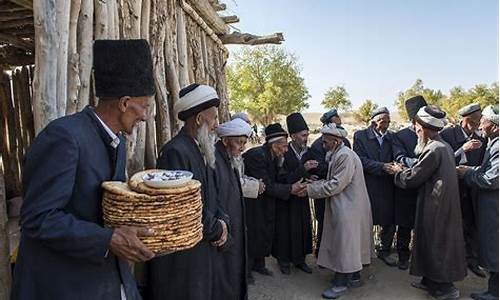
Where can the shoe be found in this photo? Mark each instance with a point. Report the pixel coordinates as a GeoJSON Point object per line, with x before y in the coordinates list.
{"type": "Point", "coordinates": [285, 269]}
{"type": "Point", "coordinates": [449, 294]}
{"type": "Point", "coordinates": [476, 270]}
{"type": "Point", "coordinates": [419, 285]}
{"type": "Point", "coordinates": [263, 271]}
{"type": "Point", "coordinates": [304, 267]}
{"type": "Point", "coordinates": [483, 296]}
{"type": "Point", "coordinates": [354, 280]}
{"type": "Point", "coordinates": [334, 292]}
{"type": "Point", "coordinates": [387, 259]}
{"type": "Point", "coordinates": [251, 279]}
{"type": "Point", "coordinates": [403, 265]}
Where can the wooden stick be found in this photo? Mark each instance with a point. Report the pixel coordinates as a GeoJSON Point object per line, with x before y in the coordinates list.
{"type": "Point", "coordinates": [73, 59]}
{"type": "Point", "coordinates": [182, 48]}
{"type": "Point", "coordinates": [24, 3]}
{"type": "Point", "coordinates": [16, 23]}
{"type": "Point", "coordinates": [230, 19]}
{"type": "Point", "coordinates": [63, 11]}
{"type": "Point", "coordinates": [219, 6]}
{"type": "Point", "coordinates": [250, 39]}
{"type": "Point", "coordinates": [15, 15]}
{"type": "Point", "coordinates": [11, 7]}
{"type": "Point", "coordinates": [17, 42]}
{"type": "Point", "coordinates": [209, 15]}
{"type": "Point", "coordinates": [27, 113]}
{"type": "Point", "coordinates": [5, 273]}
{"type": "Point", "coordinates": [101, 19]}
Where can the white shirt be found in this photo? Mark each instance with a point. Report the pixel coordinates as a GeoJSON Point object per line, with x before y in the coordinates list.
{"type": "Point", "coordinates": [115, 139]}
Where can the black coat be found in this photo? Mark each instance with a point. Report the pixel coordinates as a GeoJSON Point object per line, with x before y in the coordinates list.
{"type": "Point", "coordinates": [62, 253]}
{"type": "Point", "coordinates": [260, 212]}
{"type": "Point", "coordinates": [189, 274]}
{"type": "Point", "coordinates": [454, 136]}
{"type": "Point", "coordinates": [293, 233]}
{"type": "Point", "coordinates": [231, 266]}
{"type": "Point", "coordinates": [379, 184]}
{"type": "Point", "coordinates": [405, 200]}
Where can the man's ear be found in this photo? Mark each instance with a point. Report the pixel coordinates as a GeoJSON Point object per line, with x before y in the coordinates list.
{"type": "Point", "coordinates": [123, 103]}
{"type": "Point", "coordinates": [199, 119]}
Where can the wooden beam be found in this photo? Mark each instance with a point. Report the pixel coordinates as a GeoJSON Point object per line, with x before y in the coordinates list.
{"type": "Point", "coordinates": [11, 56]}
{"type": "Point", "coordinates": [16, 23]}
{"type": "Point", "coordinates": [230, 19]}
{"type": "Point", "coordinates": [10, 7]}
{"type": "Point", "coordinates": [218, 6]}
{"type": "Point", "coordinates": [17, 42]}
{"type": "Point", "coordinates": [209, 15]}
{"type": "Point", "coordinates": [15, 15]}
{"type": "Point", "coordinates": [250, 39]}
{"type": "Point", "coordinates": [24, 3]}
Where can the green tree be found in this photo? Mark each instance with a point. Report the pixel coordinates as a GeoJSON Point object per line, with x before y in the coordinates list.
{"type": "Point", "coordinates": [337, 98]}
{"type": "Point", "coordinates": [434, 97]}
{"type": "Point", "coordinates": [363, 113]}
{"type": "Point", "coordinates": [265, 82]}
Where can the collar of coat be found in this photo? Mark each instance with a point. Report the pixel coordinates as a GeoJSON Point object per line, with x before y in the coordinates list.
{"type": "Point", "coordinates": [370, 133]}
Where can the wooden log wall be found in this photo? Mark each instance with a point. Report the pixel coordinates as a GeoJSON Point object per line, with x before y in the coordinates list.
{"type": "Point", "coordinates": [16, 125]}
{"type": "Point", "coordinates": [184, 45]}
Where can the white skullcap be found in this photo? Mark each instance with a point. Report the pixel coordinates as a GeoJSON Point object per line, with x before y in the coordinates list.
{"type": "Point", "coordinates": [334, 130]}
{"type": "Point", "coordinates": [236, 127]}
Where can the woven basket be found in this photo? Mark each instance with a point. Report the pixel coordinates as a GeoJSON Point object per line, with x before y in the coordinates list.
{"type": "Point", "coordinates": [174, 214]}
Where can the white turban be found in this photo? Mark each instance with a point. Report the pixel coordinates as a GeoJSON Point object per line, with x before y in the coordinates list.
{"type": "Point", "coordinates": [241, 115]}
{"type": "Point", "coordinates": [334, 130]}
{"type": "Point", "coordinates": [236, 127]}
{"type": "Point", "coordinates": [196, 99]}
{"type": "Point", "coordinates": [491, 113]}
{"type": "Point", "coordinates": [431, 117]}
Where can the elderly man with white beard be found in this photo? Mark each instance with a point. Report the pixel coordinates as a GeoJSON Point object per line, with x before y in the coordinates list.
{"type": "Point", "coordinates": [190, 274]}
{"type": "Point", "coordinates": [347, 242]}
{"type": "Point", "coordinates": [438, 254]}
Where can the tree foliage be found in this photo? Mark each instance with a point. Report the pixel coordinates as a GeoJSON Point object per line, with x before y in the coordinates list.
{"type": "Point", "coordinates": [337, 98]}
{"type": "Point", "coordinates": [265, 82]}
{"type": "Point", "coordinates": [363, 113]}
{"type": "Point", "coordinates": [457, 97]}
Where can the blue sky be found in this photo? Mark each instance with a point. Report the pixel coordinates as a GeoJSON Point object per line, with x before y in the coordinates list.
{"type": "Point", "coordinates": [377, 48]}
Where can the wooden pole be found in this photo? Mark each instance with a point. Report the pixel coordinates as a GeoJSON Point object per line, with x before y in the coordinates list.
{"type": "Point", "coordinates": [73, 59]}
{"type": "Point", "coordinates": [182, 48]}
{"type": "Point", "coordinates": [101, 19]}
{"type": "Point", "coordinates": [5, 276]}
{"type": "Point", "coordinates": [84, 45]}
{"type": "Point", "coordinates": [45, 79]}
{"type": "Point", "coordinates": [62, 22]}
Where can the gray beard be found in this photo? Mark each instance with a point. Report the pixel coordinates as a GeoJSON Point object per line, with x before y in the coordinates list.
{"type": "Point", "coordinates": [206, 141]}
{"type": "Point", "coordinates": [237, 163]}
{"type": "Point", "coordinates": [419, 148]}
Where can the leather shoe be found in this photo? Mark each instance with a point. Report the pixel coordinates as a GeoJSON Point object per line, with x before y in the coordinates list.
{"type": "Point", "coordinates": [285, 269]}
{"type": "Point", "coordinates": [264, 271]}
{"type": "Point", "coordinates": [304, 267]}
{"type": "Point", "coordinates": [419, 285]}
{"type": "Point", "coordinates": [476, 270]}
{"type": "Point", "coordinates": [354, 280]}
{"type": "Point", "coordinates": [334, 292]}
{"type": "Point", "coordinates": [388, 260]}
{"type": "Point", "coordinates": [483, 296]}
{"type": "Point", "coordinates": [449, 294]}
{"type": "Point", "coordinates": [403, 265]}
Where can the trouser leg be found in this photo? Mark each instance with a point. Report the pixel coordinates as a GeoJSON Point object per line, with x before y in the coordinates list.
{"type": "Point", "coordinates": [403, 243]}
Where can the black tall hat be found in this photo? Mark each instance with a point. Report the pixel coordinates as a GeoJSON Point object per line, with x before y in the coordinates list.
{"type": "Point", "coordinates": [295, 123]}
{"type": "Point", "coordinates": [123, 68]}
{"type": "Point", "coordinates": [413, 105]}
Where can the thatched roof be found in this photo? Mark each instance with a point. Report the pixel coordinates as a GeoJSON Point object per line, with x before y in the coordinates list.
{"type": "Point", "coordinates": [17, 32]}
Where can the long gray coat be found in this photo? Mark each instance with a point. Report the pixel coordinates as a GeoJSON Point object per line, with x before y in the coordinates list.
{"type": "Point", "coordinates": [485, 179]}
{"type": "Point", "coordinates": [439, 251]}
{"type": "Point", "coordinates": [346, 243]}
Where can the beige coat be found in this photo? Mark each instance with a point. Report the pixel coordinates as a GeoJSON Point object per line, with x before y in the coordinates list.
{"type": "Point", "coordinates": [347, 242]}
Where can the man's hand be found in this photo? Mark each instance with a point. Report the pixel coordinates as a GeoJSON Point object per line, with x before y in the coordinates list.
{"type": "Point", "coordinates": [390, 168]}
{"type": "Point", "coordinates": [223, 238]}
{"type": "Point", "coordinates": [126, 244]}
{"type": "Point", "coordinates": [299, 188]}
{"type": "Point", "coordinates": [398, 168]}
{"type": "Point", "coordinates": [472, 145]}
{"type": "Point", "coordinates": [262, 187]}
{"type": "Point", "coordinates": [314, 177]}
{"type": "Point", "coordinates": [310, 164]}
{"type": "Point", "coordinates": [461, 170]}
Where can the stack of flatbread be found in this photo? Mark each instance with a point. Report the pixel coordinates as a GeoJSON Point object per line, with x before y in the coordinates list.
{"type": "Point", "coordinates": [173, 213]}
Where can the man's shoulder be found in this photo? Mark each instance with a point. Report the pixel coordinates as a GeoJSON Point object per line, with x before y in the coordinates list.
{"type": "Point", "coordinates": [255, 152]}
{"type": "Point", "coordinates": [74, 125]}
{"type": "Point", "coordinates": [361, 133]}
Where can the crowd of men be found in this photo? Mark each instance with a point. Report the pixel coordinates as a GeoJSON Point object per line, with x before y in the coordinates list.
{"type": "Point", "coordinates": [439, 182]}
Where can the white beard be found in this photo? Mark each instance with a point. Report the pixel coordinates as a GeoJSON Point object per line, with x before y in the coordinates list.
{"type": "Point", "coordinates": [419, 148]}
{"type": "Point", "coordinates": [237, 163]}
{"type": "Point", "coordinates": [206, 141]}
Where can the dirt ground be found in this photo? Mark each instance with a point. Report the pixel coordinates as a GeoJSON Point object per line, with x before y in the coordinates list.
{"type": "Point", "coordinates": [380, 283]}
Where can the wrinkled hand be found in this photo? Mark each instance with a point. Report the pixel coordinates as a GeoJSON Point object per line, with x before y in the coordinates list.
{"type": "Point", "coordinates": [223, 238]}
{"type": "Point", "coordinates": [310, 164]}
{"type": "Point", "coordinates": [461, 170]}
{"type": "Point", "coordinates": [472, 145]}
{"type": "Point", "coordinates": [126, 244]}
{"type": "Point", "coordinates": [262, 186]}
{"type": "Point", "coordinates": [398, 168]}
{"type": "Point", "coordinates": [390, 168]}
{"type": "Point", "coordinates": [314, 177]}
{"type": "Point", "coordinates": [299, 188]}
